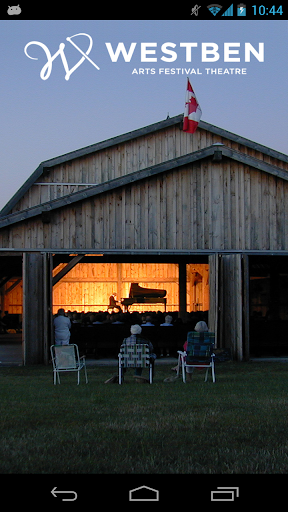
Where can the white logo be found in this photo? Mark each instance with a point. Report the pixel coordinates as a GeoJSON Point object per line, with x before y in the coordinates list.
{"type": "Point", "coordinates": [47, 68]}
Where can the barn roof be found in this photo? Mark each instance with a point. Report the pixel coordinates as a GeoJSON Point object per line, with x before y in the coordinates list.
{"type": "Point", "coordinates": [7, 218]}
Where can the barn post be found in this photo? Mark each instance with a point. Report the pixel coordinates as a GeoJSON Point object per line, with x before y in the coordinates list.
{"type": "Point", "coordinates": [246, 306]}
{"type": "Point", "coordinates": [182, 291]}
{"type": "Point", "coordinates": [33, 300]}
{"type": "Point", "coordinates": [232, 304]}
{"type": "Point", "coordinates": [47, 306]}
{"type": "Point", "coordinates": [214, 295]}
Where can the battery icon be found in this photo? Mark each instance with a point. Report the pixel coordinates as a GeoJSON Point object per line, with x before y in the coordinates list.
{"type": "Point", "coordinates": [241, 10]}
{"type": "Point", "coordinates": [225, 494]}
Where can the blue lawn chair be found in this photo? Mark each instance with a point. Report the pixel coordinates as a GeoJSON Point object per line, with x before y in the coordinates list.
{"type": "Point", "coordinates": [199, 353]}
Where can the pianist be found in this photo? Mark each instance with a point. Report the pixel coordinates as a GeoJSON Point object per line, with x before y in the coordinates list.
{"type": "Point", "coordinates": [113, 303]}
{"type": "Point", "coordinates": [136, 338]}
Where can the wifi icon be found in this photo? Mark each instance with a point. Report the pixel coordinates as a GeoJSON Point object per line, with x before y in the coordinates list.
{"type": "Point", "coordinates": [214, 8]}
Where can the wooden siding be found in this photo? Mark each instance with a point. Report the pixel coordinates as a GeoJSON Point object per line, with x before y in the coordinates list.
{"type": "Point", "coordinates": [125, 158]}
{"type": "Point", "coordinates": [204, 205]}
{"type": "Point", "coordinates": [231, 302]}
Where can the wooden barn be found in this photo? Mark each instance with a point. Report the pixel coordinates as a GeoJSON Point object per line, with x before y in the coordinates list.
{"type": "Point", "coordinates": [203, 217]}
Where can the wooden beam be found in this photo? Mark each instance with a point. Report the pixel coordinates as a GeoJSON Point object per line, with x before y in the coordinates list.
{"type": "Point", "coordinates": [5, 280]}
{"type": "Point", "coordinates": [66, 269]}
{"type": "Point", "coordinates": [213, 315]}
{"type": "Point", "coordinates": [254, 162]}
{"type": "Point", "coordinates": [33, 331]}
{"type": "Point", "coordinates": [13, 285]}
{"type": "Point", "coordinates": [182, 291]}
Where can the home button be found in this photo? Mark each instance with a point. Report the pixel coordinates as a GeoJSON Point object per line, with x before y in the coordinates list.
{"type": "Point", "coordinates": [143, 493]}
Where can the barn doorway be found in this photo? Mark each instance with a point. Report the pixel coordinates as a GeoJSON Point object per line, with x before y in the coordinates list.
{"type": "Point", "coordinates": [268, 306]}
{"type": "Point", "coordinates": [83, 286]}
{"type": "Point", "coordinates": [11, 293]}
{"type": "Point", "coordinates": [89, 285]}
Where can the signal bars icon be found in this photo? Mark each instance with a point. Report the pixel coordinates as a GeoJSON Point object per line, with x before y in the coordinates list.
{"type": "Point", "coordinates": [229, 11]}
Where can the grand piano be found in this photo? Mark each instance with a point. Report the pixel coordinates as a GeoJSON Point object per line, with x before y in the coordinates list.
{"type": "Point", "coordinates": [140, 295]}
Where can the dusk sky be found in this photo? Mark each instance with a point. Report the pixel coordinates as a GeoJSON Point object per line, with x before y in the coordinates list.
{"type": "Point", "coordinates": [41, 119]}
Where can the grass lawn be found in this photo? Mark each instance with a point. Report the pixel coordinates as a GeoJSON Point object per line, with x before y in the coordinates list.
{"type": "Point", "coordinates": [237, 425]}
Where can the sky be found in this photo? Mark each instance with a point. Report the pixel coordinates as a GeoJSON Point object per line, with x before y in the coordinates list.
{"type": "Point", "coordinates": [42, 119]}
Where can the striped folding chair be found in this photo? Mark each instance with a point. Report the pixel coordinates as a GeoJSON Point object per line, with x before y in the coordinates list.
{"type": "Point", "coordinates": [134, 356]}
{"type": "Point", "coordinates": [199, 353]}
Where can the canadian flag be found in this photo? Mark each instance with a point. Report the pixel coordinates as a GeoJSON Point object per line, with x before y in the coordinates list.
{"type": "Point", "coordinates": [193, 112]}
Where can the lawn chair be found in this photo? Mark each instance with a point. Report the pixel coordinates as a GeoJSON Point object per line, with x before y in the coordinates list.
{"type": "Point", "coordinates": [65, 358]}
{"type": "Point", "coordinates": [199, 353]}
{"type": "Point", "coordinates": [134, 356]}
